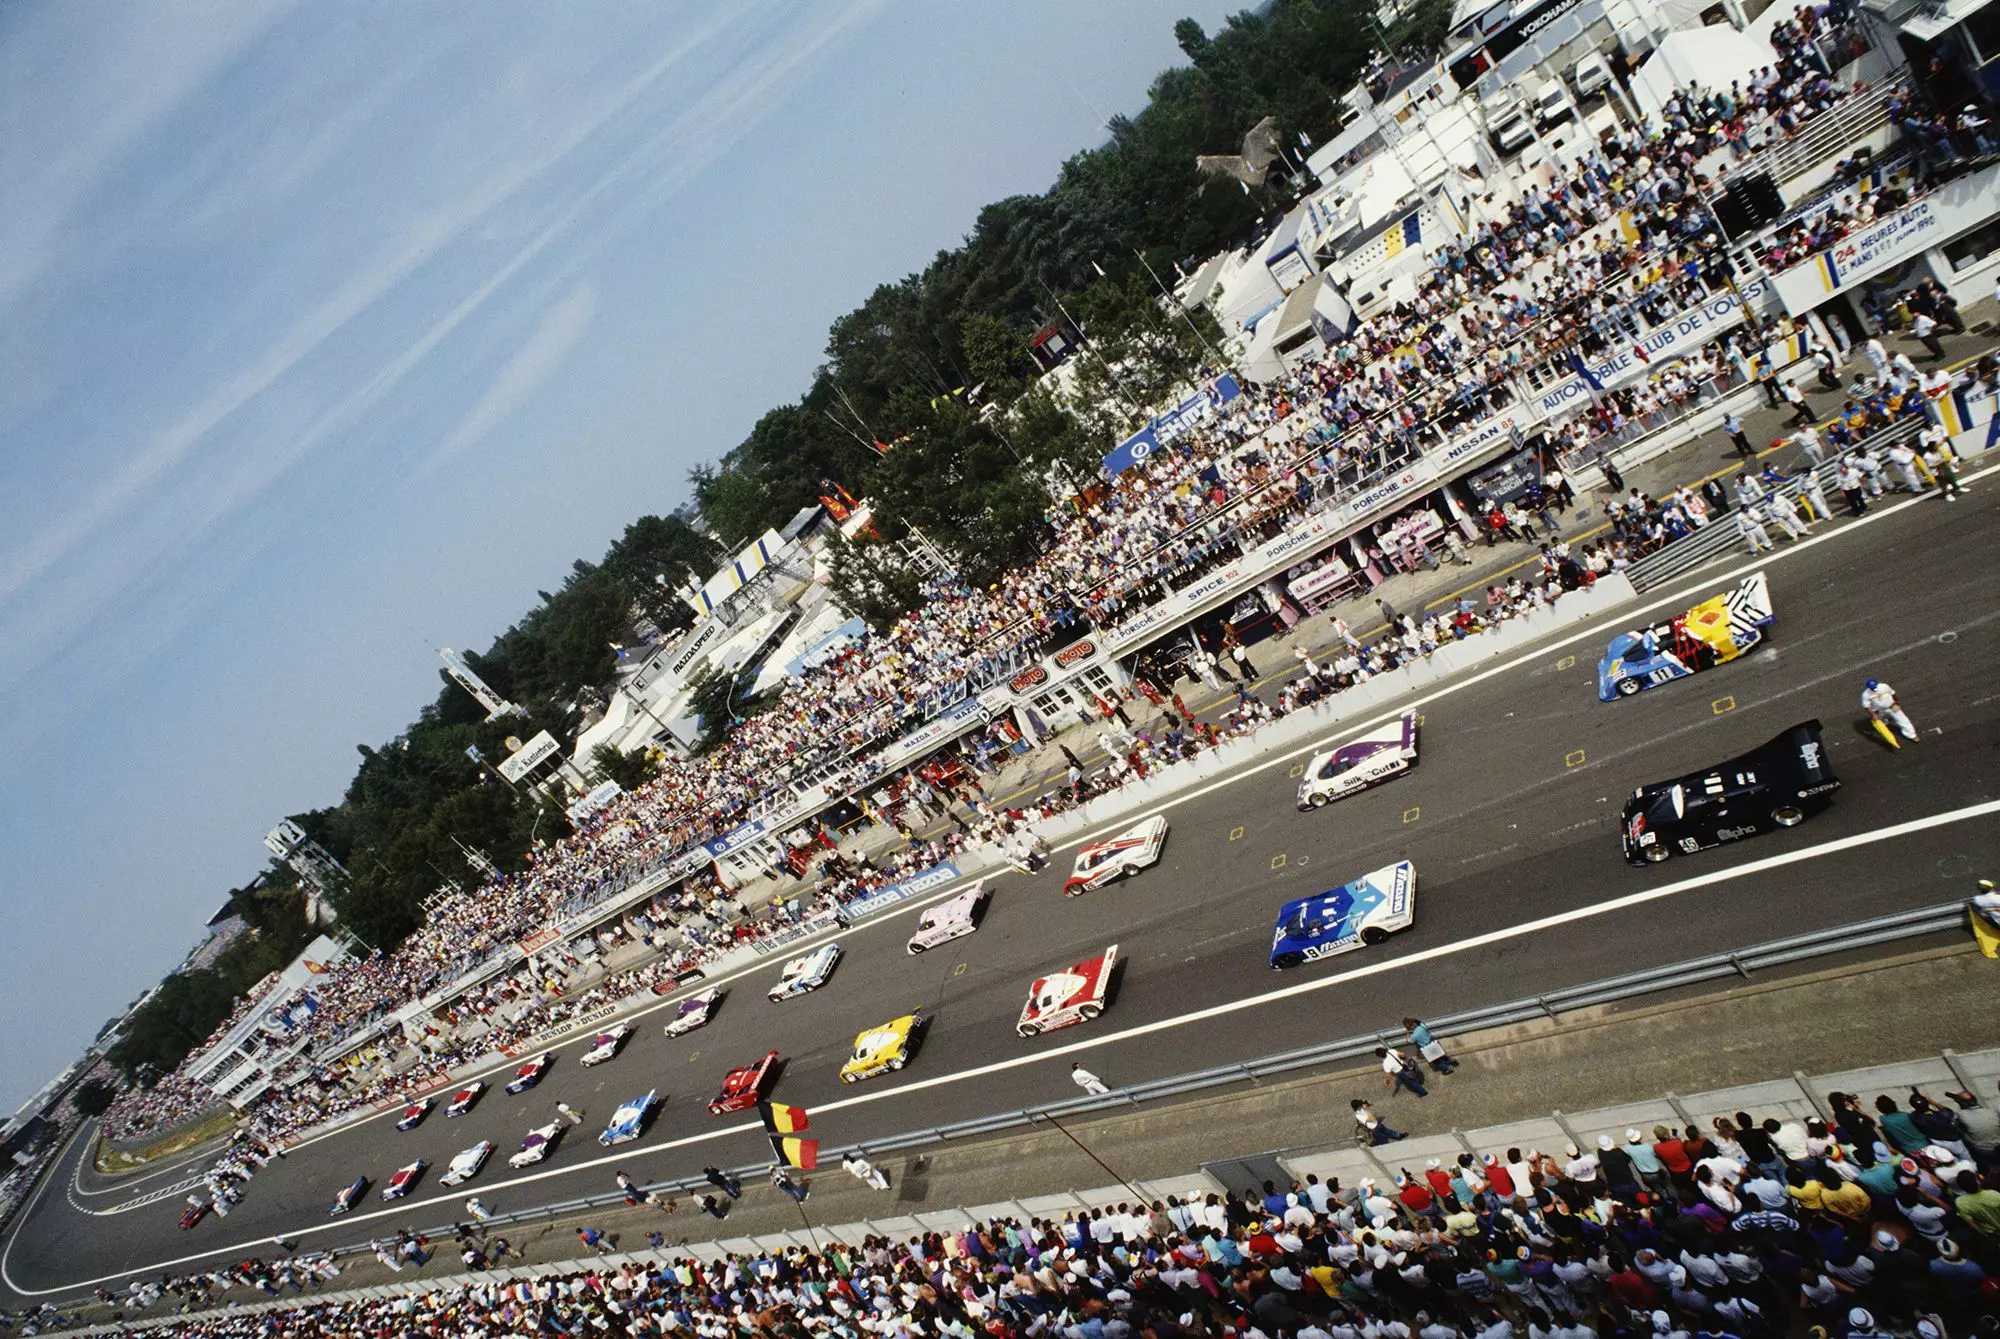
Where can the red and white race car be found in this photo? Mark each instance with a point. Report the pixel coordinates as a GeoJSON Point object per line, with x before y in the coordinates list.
{"type": "Point", "coordinates": [1117, 857]}
{"type": "Point", "coordinates": [606, 1046]}
{"type": "Point", "coordinates": [745, 1085]}
{"type": "Point", "coordinates": [413, 1114]}
{"type": "Point", "coordinates": [404, 1181]}
{"type": "Point", "coordinates": [530, 1074]}
{"type": "Point", "coordinates": [949, 919]}
{"type": "Point", "coordinates": [462, 1100]}
{"type": "Point", "coordinates": [1074, 995]}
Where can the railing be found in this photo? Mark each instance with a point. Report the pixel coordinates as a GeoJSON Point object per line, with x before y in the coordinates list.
{"type": "Point", "coordinates": [1825, 136]}
{"type": "Point", "coordinates": [1735, 965]}
{"type": "Point", "coordinates": [1720, 537]}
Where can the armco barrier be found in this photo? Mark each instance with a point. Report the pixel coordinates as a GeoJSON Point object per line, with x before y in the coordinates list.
{"type": "Point", "coordinates": [1737, 965]}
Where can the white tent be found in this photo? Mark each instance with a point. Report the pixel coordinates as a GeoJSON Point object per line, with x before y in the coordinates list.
{"type": "Point", "coordinates": [1714, 57]}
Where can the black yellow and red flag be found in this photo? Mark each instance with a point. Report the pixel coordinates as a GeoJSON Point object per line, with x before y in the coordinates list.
{"type": "Point", "coordinates": [784, 1123]}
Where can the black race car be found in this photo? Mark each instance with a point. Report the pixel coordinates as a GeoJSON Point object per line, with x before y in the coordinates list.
{"type": "Point", "coordinates": [1776, 785]}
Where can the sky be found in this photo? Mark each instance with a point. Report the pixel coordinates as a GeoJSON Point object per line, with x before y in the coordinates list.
{"type": "Point", "coordinates": [330, 333]}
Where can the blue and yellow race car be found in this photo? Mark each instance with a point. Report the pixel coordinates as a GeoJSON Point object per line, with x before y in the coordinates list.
{"type": "Point", "coordinates": [1366, 911]}
{"type": "Point", "coordinates": [1716, 631]}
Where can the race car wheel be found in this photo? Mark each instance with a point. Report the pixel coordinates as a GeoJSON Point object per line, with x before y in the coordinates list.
{"type": "Point", "coordinates": [1028, 1029]}
{"type": "Point", "coordinates": [1130, 871]}
{"type": "Point", "coordinates": [1319, 799]}
{"type": "Point", "coordinates": [1089, 1011]}
{"type": "Point", "coordinates": [847, 1078]}
{"type": "Point", "coordinates": [1373, 935]}
{"type": "Point", "coordinates": [1658, 854]}
{"type": "Point", "coordinates": [917, 948]}
{"type": "Point", "coordinates": [1284, 960]}
{"type": "Point", "coordinates": [1629, 687]}
{"type": "Point", "coordinates": [898, 1062]}
{"type": "Point", "coordinates": [1787, 816]}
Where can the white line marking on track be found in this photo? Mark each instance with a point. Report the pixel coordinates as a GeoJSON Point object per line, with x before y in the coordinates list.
{"type": "Point", "coordinates": [1447, 950]}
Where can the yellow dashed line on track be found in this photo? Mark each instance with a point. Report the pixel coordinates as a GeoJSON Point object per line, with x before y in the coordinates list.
{"type": "Point", "coordinates": [1567, 662]}
{"type": "Point", "coordinates": [1236, 834]}
{"type": "Point", "coordinates": [1298, 769]}
{"type": "Point", "coordinates": [1280, 860]}
{"type": "Point", "coordinates": [1412, 814]}
{"type": "Point", "coordinates": [1721, 704]}
{"type": "Point", "coordinates": [1573, 759]}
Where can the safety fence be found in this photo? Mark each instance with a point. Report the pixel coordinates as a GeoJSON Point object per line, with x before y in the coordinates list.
{"type": "Point", "coordinates": [1721, 538]}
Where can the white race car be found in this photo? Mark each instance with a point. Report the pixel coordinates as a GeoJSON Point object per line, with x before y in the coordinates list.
{"type": "Point", "coordinates": [541, 1142]}
{"type": "Point", "coordinates": [949, 919]}
{"type": "Point", "coordinates": [1358, 764]}
{"type": "Point", "coordinates": [1116, 857]}
{"type": "Point", "coordinates": [694, 1011]}
{"type": "Point", "coordinates": [467, 1164]}
{"type": "Point", "coordinates": [808, 973]}
{"type": "Point", "coordinates": [606, 1046]}
{"type": "Point", "coordinates": [1076, 994]}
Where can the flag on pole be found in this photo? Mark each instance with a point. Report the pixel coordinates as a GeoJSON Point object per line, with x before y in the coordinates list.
{"type": "Point", "coordinates": [1582, 369]}
{"type": "Point", "coordinates": [782, 1122]}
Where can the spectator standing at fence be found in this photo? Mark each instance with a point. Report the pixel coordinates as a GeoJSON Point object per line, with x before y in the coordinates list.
{"type": "Point", "coordinates": [1371, 1128]}
{"type": "Point", "coordinates": [1904, 461]}
{"type": "Point", "coordinates": [1870, 466]}
{"type": "Point", "coordinates": [1812, 494]}
{"type": "Point", "coordinates": [1750, 525]}
{"type": "Point", "coordinates": [1785, 515]}
{"type": "Point", "coordinates": [1853, 487]}
{"type": "Point", "coordinates": [1398, 1072]}
{"type": "Point", "coordinates": [1428, 1046]}
{"type": "Point", "coordinates": [793, 1188]}
{"type": "Point", "coordinates": [865, 1171]}
{"type": "Point", "coordinates": [1808, 440]}
{"type": "Point", "coordinates": [1938, 459]}
{"type": "Point", "coordinates": [1087, 1081]}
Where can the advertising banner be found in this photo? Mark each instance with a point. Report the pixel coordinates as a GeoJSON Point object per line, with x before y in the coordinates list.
{"type": "Point", "coordinates": [529, 756]}
{"type": "Point", "coordinates": [934, 877]}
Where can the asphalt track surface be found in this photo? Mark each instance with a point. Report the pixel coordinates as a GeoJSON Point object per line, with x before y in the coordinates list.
{"type": "Point", "coordinates": [1510, 819]}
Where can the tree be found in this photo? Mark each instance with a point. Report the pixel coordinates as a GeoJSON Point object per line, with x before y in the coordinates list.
{"type": "Point", "coordinates": [95, 1097]}
{"type": "Point", "coordinates": [874, 581]}
{"type": "Point", "coordinates": [630, 770]}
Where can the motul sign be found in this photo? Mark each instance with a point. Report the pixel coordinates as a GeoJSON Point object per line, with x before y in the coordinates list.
{"type": "Point", "coordinates": [1029, 679]}
{"type": "Point", "coordinates": [1069, 655]}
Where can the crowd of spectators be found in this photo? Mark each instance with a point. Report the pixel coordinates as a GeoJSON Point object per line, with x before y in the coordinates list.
{"type": "Point", "coordinates": [1884, 1221]}
{"type": "Point", "coordinates": [1576, 264]}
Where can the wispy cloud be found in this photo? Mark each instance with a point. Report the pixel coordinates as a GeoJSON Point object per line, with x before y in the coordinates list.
{"type": "Point", "coordinates": [90, 533]}
{"type": "Point", "coordinates": [546, 348]}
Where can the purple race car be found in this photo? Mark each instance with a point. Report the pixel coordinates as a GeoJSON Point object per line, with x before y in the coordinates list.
{"type": "Point", "coordinates": [1370, 760]}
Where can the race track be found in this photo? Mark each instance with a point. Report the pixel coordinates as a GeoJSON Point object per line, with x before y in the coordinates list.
{"type": "Point", "coordinates": [1510, 819]}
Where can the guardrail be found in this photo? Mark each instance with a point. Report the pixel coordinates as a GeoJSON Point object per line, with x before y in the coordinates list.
{"type": "Point", "coordinates": [1720, 538]}
{"type": "Point", "coordinates": [1737, 964]}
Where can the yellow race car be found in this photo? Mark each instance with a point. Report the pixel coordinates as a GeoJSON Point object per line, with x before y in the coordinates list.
{"type": "Point", "coordinates": [881, 1049]}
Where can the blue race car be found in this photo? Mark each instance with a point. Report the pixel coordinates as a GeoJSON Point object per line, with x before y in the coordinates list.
{"type": "Point", "coordinates": [350, 1195]}
{"type": "Point", "coordinates": [629, 1121]}
{"type": "Point", "coordinates": [1366, 911]}
{"type": "Point", "coordinates": [1714, 632]}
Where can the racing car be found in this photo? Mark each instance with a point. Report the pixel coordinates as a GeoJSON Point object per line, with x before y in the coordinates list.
{"type": "Point", "coordinates": [949, 919]}
{"type": "Point", "coordinates": [695, 1011]}
{"type": "Point", "coordinates": [1377, 756]}
{"type": "Point", "coordinates": [467, 1164]}
{"type": "Point", "coordinates": [462, 1100]}
{"type": "Point", "coordinates": [1076, 994]}
{"type": "Point", "coordinates": [193, 1214]}
{"type": "Point", "coordinates": [629, 1121]}
{"type": "Point", "coordinates": [404, 1181]}
{"type": "Point", "coordinates": [530, 1074]}
{"type": "Point", "coordinates": [350, 1195]}
{"type": "Point", "coordinates": [1117, 857]}
{"type": "Point", "coordinates": [745, 1085]}
{"type": "Point", "coordinates": [413, 1114]}
{"type": "Point", "coordinates": [881, 1049]}
{"type": "Point", "coordinates": [541, 1142]}
{"type": "Point", "coordinates": [1366, 911]}
{"type": "Point", "coordinates": [1778, 784]}
{"type": "Point", "coordinates": [1714, 632]}
{"type": "Point", "coordinates": [606, 1046]}
{"type": "Point", "coordinates": [808, 973]}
